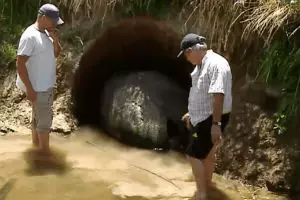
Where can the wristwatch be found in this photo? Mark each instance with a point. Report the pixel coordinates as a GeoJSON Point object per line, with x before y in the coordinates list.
{"type": "Point", "coordinates": [217, 123]}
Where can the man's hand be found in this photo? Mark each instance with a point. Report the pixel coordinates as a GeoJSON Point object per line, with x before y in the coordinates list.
{"type": "Point", "coordinates": [216, 133]}
{"type": "Point", "coordinates": [186, 118]}
{"type": "Point", "coordinates": [31, 95]}
{"type": "Point", "coordinates": [53, 34]}
{"type": "Point", "coordinates": [57, 47]}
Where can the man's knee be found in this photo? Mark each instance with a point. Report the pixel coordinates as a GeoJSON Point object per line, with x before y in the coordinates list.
{"type": "Point", "coordinates": [196, 163]}
{"type": "Point", "coordinates": [44, 123]}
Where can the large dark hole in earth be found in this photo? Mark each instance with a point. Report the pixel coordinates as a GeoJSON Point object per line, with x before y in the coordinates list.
{"type": "Point", "coordinates": [131, 85]}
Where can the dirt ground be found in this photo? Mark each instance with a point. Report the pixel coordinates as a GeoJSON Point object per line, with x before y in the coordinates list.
{"type": "Point", "coordinates": [97, 167]}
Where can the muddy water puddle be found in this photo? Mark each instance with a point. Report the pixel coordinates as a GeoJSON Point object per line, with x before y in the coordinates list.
{"type": "Point", "coordinates": [99, 168]}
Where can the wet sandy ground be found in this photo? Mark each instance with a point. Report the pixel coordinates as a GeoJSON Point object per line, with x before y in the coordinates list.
{"type": "Point", "coordinates": [99, 168]}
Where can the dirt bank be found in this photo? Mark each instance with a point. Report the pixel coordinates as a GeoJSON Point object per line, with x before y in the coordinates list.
{"type": "Point", "coordinates": [102, 168]}
{"type": "Point", "coordinates": [15, 109]}
{"type": "Point", "coordinates": [254, 152]}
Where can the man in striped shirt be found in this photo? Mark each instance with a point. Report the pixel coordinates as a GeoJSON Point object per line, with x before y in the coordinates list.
{"type": "Point", "coordinates": [209, 108]}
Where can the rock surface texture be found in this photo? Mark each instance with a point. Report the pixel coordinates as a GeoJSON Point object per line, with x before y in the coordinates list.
{"type": "Point", "coordinates": [140, 105]}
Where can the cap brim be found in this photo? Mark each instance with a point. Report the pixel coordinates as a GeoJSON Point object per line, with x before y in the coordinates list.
{"type": "Point", "coordinates": [59, 21]}
{"type": "Point", "coordinates": [180, 53]}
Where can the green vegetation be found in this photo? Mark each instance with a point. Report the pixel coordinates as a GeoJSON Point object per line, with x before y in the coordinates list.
{"type": "Point", "coordinates": [15, 15]}
{"type": "Point", "coordinates": [7, 52]}
{"type": "Point", "coordinates": [18, 12]}
{"type": "Point", "coordinates": [280, 66]}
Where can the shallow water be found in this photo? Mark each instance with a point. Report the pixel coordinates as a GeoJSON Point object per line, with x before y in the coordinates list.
{"type": "Point", "coordinates": [99, 168]}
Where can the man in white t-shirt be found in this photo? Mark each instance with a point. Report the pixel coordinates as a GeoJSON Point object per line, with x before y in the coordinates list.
{"type": "Point", "coordinates": [209, 107]}
{"type": "Point", "coordinates": [36, 66]}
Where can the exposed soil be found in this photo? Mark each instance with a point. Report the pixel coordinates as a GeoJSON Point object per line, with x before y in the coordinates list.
{"type": "Point", "coordinates": [253, 151]}
{"type": "Point", "coordinates": [15, 109]}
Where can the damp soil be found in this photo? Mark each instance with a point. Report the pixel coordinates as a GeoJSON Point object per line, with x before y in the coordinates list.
{"type": "Point", "coordinates": [90, 166]}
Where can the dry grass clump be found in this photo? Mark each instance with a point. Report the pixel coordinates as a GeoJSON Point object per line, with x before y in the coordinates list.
{"type": "Point", "coordinates": [218, 18]}
{"type": "Point", "coordinates": [241, 29]}
{"type": "Point", "coordinates": [91, 9]}
{"type": "Point", "coordinates": [228, 22]}
{"type": "Point", "coordinates": [214, 19]}
{"type": "Point", "coordinates": [267, 17]}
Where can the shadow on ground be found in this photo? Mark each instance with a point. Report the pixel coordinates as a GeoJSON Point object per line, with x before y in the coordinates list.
{"type": "Point", "coordinates": [39, 164]}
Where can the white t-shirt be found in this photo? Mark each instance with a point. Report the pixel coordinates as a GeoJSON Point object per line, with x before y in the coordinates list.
{"type": "Point", "coordinates": [41, 65]}
{"type": "Point", "coordinates": [213, 76]}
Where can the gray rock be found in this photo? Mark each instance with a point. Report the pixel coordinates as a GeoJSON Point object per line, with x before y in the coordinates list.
{"type": "Point", "coordinates": [139, 106]}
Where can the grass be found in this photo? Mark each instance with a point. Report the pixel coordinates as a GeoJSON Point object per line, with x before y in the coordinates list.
{"type": "Point", "coordinates": [229, 23]}
{"type": "Point", "coordinates": [280, 66]}
{"type": "Point", "coordinates": [90, 9]}
{"type": "Point", "coordinates": [267, 18]}
{"type": "Point", "coordinates": [214, 19]}
{"type": "Point", "coordinates": [8, 52]}
{"type": "Point", "coordinates": [16, 15]}
{"type": "Point", "coordinates": [102, 9]}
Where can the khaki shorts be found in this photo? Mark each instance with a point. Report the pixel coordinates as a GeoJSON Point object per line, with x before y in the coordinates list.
{"type": "Point", "coordinates": [42, 113]}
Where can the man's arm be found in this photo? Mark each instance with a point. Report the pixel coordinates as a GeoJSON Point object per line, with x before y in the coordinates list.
{"type": "Point", "coordinates": [56, 43]}
{"type": "Point", "coordinates": [217, 76]}
{"type": "Point", "coordinates": [57, 47]}
{"type": "Point", "coordinates": [218, 99]}
{"type": "Point", "coordinates": [25, 50]}
{"type": "Point", "coordinates": [22, 71]}
{"type": "Point", "coordinates": [217, 89]}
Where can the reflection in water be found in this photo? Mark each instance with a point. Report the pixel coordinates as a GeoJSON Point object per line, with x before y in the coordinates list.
{"type": "Point", "coordinates": [91, 167]}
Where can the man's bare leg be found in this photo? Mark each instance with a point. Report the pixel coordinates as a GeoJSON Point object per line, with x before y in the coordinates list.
{"type": "Point", "coordinates": [35, 138]}
{"type": "Point", "coordinates": [44, 142]}
{"type": "Point", "coordinates": [34, 134]}
{"type": "Point", "coordinates": [42, 116]}
{"type": "Point", "coordinates": [200, 178]}
{"type": "Point", "coordinates": [44, 147]}
{"type": "Point", "coordinates": [209, 165]}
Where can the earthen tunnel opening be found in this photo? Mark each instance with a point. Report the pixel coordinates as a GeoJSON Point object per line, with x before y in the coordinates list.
{"type": "Point", "coordinates": [131, 85]}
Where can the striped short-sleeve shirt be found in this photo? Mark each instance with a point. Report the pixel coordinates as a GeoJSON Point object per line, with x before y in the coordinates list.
{"type": "Point", "coordinates": [213, 76]}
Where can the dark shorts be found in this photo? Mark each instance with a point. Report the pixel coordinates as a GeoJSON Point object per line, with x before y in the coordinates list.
{"type": "Point", "coordinates": [200, 142]}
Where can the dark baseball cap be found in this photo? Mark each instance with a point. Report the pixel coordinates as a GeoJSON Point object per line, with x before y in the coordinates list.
{"type": "Point", "coordinates": [52, 12]}
{"type": "Point", "coordinates": [190, 40]}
